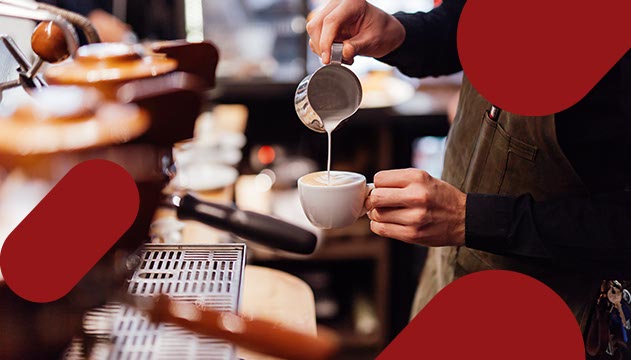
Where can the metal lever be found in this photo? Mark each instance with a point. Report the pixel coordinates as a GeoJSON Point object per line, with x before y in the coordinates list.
{"type": "Point", "coordinates": [23, 68]}
{"type": "Point", "coordinates": [75, 19]}
{"type": "Point", "coordinates": [72, 40]}
{"type": "Point", "coordinates": [26, 10]}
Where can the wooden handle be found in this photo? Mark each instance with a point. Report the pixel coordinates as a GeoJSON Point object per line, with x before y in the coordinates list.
{"type": "Point", "coordinates": [257, 335]}
{"type": "Point", "coordinates": [49, 43]}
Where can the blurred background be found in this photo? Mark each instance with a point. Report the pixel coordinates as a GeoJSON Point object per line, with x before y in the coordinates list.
{"type": "Point", "coordinates": [363, 284]}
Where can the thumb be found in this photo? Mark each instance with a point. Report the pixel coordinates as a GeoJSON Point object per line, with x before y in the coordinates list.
{"type": "Point", "coordinates": [351, 49]}
{"type": "Point", "coordinates": [357, 45]}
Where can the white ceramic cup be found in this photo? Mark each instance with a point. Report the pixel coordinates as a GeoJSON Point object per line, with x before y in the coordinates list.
{"type": "Point", "coordinates": [335, 206]}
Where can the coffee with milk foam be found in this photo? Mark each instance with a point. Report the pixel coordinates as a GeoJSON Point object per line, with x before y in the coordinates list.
{"type": "Point", "coordinates": [338, 178]}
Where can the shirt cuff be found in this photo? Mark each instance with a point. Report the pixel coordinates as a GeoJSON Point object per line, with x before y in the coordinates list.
{"type": "Point", "coordinates": [487, 222]}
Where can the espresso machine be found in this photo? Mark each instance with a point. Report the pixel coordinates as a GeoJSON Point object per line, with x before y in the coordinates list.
{"type": "Point", "coordinates": [139, 300]}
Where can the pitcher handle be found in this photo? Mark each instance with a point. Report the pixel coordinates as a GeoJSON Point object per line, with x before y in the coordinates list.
{"type": "Point", "coordinates": [336, 53]}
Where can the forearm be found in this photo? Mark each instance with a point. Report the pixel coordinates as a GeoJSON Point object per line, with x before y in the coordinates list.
{"type": "Point", "coordinates": [589, 232]}
{"type": "Point", "coordinates": [430, 46]}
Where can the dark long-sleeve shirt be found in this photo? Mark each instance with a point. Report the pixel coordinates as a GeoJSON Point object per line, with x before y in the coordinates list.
{"type": "Point", "coordinates": [592, 232]}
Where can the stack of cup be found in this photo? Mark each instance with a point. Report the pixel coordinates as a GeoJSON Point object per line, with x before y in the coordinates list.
{"type": "Point", "coordinates": [205, 165]}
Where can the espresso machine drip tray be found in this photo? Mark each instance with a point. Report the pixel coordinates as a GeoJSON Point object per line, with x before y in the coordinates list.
{"type": "Point", "coordinates": [209, 276]}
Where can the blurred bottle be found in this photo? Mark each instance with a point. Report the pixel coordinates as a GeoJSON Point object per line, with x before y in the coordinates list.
{"type": "Point", "coordinates": [327, 305]}
{"type": "Point", "coordinates": [429, 154]}
{"type": "Point", "coordinates": [365, 319]}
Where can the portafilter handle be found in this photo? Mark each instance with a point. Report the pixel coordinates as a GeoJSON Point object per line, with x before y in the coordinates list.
{"type": "Point", "coordinates": [263, 229]}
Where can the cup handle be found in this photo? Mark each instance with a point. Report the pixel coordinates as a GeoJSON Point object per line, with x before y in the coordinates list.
{"type": "Point", "coordinates": [369, 188]}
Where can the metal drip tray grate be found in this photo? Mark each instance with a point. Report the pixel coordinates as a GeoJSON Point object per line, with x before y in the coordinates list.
{"type": "Point", "coordinates": [207, 275]}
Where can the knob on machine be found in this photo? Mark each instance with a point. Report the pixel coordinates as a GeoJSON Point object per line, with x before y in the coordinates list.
{"type": "Point", "coordinates": [49, 42]}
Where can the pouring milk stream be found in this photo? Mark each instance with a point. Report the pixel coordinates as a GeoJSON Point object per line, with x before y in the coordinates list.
{"type": "Point", "coordinates": [328, 97]}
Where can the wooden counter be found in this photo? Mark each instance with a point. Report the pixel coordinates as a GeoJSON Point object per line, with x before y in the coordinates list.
{"type": "Point", "coordinates": [276, 296]}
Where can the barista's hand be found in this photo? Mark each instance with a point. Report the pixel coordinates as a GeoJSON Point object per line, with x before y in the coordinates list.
{"type": "Point", "coordinates": [412, 206]}
{"type": "Point", "coordinates": [363, 28]}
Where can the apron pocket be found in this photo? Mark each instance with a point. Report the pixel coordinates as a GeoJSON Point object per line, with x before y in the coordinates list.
{"type": "Point", "coordinates": [520, 166]}
{"type": "Point", "coordinates": [488, 161]}
{"type": "Point", "coordinates": [494, 154]}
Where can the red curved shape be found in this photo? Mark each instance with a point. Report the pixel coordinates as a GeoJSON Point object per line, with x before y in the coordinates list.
{"type": "Point", "coordinates": [538, 57]}
{"type": "Point", "coordinates": [69, 231]}
{"type": "Point", "coordinates": [491, 315]}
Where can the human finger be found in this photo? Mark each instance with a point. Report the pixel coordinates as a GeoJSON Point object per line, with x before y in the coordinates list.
{"type": "Point", "coordinates": [388, 197]}
{"type": "Point", "coordinates": [314, 24]}
{"type": "Point", "coordinates": [342, 15]}
{"type": "Point", "coordinates": [401, 177]}
{"type": "Point", "coordinates": [404, 233]}
{"type": "Point", "coordinates": [401, 216]}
